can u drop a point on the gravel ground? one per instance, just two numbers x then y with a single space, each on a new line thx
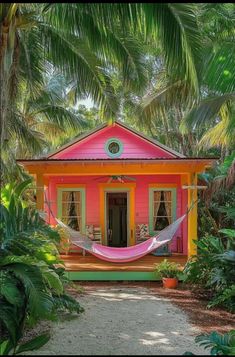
123 321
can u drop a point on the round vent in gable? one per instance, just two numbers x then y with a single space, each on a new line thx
113 147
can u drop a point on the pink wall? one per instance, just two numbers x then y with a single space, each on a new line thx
93 146
141 201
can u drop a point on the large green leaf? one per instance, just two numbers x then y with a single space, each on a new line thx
5 347
9 319
9 290
34 344
21 187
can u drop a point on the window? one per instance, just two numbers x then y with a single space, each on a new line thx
72 208
162 208
113 147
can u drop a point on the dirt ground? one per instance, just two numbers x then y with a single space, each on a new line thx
199 315
132 318
121 319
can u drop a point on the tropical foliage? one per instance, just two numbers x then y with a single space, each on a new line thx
167 269
216 203
219 345
32 287
213 269
168 70
7 347
90 45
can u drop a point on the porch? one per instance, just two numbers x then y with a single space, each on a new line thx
79 267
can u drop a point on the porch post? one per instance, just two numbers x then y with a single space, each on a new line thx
192 216
40 192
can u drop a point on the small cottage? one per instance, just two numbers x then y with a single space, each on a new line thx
120 187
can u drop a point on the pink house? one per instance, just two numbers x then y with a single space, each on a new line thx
120 187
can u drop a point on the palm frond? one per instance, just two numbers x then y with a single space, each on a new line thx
28 138
206 111
164 97
177 30
83 65
219 74
62 117
222 134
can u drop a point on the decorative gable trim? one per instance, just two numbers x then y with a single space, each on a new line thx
124 126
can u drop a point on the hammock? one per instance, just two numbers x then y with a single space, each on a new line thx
127 254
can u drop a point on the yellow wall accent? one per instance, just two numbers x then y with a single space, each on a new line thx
123 187
84 169
40 192
192 216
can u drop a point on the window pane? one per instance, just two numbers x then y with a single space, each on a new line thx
71 196
71 209
161 223
162 209
162 196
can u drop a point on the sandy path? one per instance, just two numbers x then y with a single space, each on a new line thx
123 321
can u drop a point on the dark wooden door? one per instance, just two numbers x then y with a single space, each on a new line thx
117 219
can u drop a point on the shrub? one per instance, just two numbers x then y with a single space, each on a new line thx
220 345
167 269
32 288
213 269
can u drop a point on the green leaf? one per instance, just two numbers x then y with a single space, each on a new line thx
8 289
34 344
21 187
9 320
5 347
228 232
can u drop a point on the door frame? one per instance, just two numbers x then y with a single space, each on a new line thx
127 214
116 187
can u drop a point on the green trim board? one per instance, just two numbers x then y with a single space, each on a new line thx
173 207
113 140
83 203
113 276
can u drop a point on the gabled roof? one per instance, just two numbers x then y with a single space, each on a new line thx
153 141
121 124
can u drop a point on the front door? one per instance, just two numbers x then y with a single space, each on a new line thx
117 219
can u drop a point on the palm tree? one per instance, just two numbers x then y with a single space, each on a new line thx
39 123
203 119
43 119
30 42
30 47
215 109
88 41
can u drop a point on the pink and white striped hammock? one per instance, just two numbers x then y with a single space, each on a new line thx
127 254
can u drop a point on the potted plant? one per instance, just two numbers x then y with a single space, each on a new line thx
169 272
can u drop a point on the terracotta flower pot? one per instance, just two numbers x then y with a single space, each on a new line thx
170 283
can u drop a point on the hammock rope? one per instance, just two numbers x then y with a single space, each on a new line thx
126 254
